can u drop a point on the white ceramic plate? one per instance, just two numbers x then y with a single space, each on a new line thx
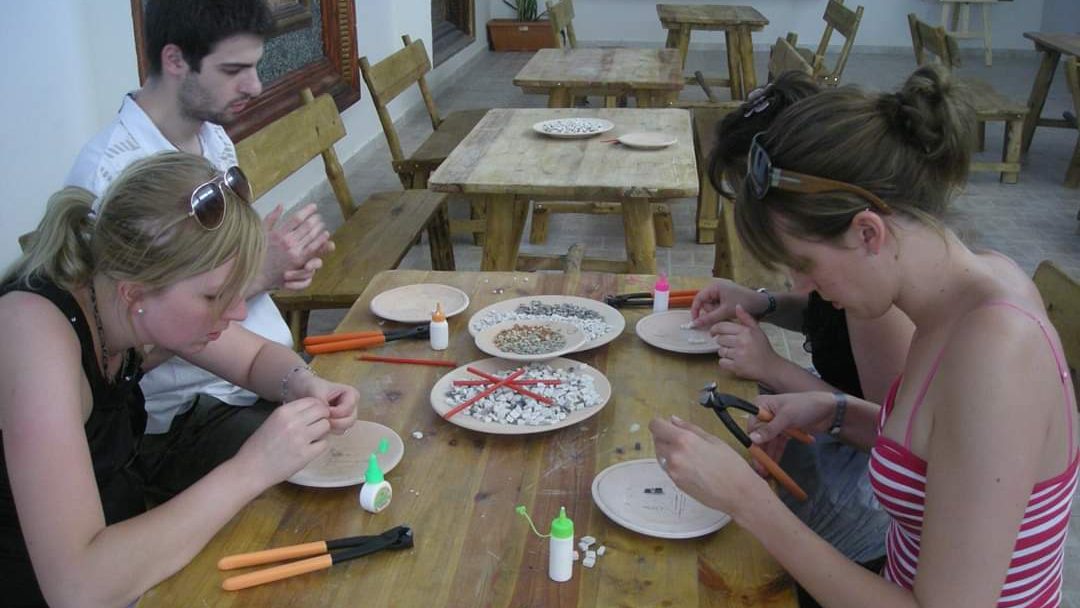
573 128
573 335
439 404
346 460
664 330
611 316
647 140
415 303
619 491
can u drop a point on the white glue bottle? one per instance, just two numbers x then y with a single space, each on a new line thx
660 294
439 330
376 493
561 548
560 544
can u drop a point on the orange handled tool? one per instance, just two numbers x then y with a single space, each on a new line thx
677 298
326 554
321 345
719 403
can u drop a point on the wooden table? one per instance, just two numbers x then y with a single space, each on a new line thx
737 22
457 489
652 76
1052 46
504 164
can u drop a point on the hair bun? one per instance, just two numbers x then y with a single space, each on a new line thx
932 113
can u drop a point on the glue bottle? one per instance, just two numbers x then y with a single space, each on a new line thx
660 294
561 548
376 493
439 330
560 544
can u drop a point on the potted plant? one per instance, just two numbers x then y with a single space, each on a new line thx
528 32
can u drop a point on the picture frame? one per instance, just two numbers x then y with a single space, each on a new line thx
313 46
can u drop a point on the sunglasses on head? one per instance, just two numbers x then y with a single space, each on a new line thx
208 199
761 175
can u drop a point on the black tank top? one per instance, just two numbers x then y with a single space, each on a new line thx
827 341
113 430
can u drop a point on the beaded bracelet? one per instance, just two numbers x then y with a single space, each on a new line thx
285 380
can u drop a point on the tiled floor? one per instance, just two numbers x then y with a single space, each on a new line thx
1029 221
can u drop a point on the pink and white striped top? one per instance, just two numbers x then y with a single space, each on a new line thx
898 478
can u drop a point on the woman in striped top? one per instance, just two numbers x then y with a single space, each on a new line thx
975 453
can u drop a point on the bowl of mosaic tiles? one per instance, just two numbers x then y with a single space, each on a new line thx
573 128
531 340
569 392
600 322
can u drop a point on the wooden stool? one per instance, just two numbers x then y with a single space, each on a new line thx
958 23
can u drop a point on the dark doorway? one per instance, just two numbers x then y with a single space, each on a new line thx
451 27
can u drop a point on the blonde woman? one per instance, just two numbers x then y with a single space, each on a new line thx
974 453
164 264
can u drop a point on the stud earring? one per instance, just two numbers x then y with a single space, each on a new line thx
139 311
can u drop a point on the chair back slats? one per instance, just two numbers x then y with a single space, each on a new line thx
846 22
843 19
561 14
1061 296
390 77
926 38
279 149
785 58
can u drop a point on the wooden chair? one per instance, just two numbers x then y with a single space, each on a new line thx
1072 77
375 236
713 226
783 57
389 78
989 104
843 21
1061 295
731 260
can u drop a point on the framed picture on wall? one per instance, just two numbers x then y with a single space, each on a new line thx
313 46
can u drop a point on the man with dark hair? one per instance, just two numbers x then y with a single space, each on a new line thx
203 56
197 27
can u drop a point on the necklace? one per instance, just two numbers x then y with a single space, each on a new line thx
101 333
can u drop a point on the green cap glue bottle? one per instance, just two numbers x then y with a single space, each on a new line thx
560 544
376 493
561 548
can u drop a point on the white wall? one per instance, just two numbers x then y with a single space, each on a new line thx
69 62
1061 16
884 22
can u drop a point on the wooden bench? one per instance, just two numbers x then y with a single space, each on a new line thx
376 234
394 75
990 106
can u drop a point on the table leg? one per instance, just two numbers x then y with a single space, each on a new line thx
684 43
559 98
640 236
731 40
746 51
1039 89
505 223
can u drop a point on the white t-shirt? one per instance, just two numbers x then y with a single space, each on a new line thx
171 388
